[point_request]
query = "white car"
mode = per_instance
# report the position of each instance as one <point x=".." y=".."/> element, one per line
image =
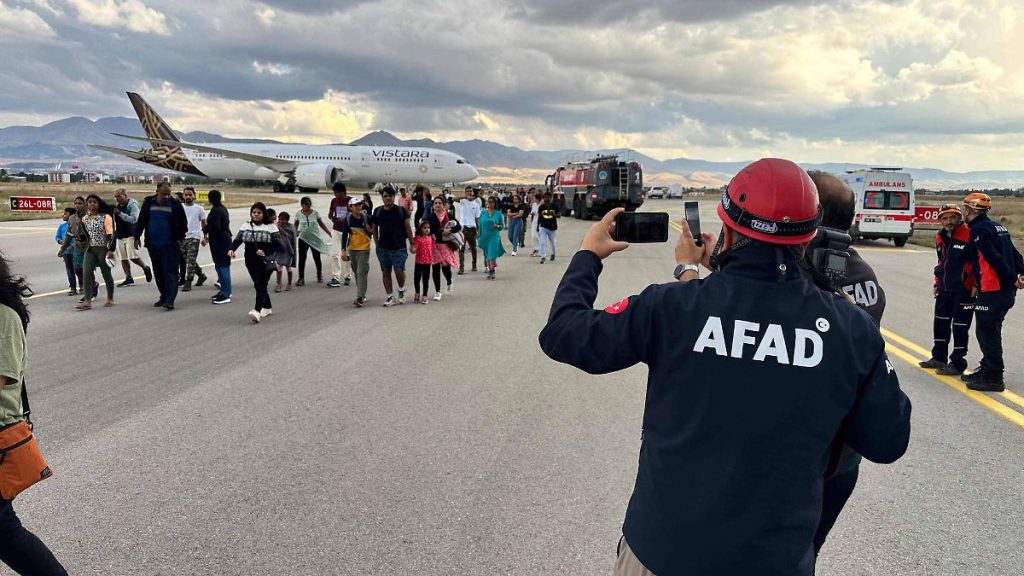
<point x="657" y="192"/>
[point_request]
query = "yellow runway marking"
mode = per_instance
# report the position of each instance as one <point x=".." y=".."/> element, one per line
<point x="136" y="278"/>
<point x="953" y="382"/>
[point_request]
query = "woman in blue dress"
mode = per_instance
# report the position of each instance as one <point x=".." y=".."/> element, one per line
<point x="491" y="224"/>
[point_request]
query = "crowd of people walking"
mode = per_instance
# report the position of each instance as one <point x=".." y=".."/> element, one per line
<point x="437" y="230"/>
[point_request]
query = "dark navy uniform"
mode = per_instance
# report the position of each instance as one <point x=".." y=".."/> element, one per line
<point x="999" y="263"/>
<point x="751" y="380"/>
<point x="954" y="303"/>
<point x="862" y="285"/>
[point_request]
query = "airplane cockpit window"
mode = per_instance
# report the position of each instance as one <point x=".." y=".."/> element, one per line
<point x="460" y="161"/>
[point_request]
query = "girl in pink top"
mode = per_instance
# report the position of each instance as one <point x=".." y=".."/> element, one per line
<point x="424" y="245"/>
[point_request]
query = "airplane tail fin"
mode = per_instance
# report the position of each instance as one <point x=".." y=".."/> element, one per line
<point x="152" y="123"/>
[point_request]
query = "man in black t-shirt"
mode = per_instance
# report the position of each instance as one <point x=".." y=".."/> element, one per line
<point x="391" y="228"/>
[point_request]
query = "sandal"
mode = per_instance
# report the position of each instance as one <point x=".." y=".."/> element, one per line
<point x="108" y="303"/>
<point x="83" y="306"/>
<point x="277" y="288"/>
<point x="288" y="288"/>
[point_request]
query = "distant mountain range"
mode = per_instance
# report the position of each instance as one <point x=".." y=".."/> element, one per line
<point x="64" y="141"/>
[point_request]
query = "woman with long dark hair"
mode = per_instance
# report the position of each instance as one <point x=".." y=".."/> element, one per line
<point x="99" y="228"/>
<point x="19" y="548"/>
<point x="260" y="236"/>
<point x="218" y="230"/>
<point x="442" y="226"/>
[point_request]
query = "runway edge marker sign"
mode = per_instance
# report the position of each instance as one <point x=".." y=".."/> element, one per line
<point x="33" y="204"/>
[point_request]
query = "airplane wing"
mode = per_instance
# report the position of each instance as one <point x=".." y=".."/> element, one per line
<point x="275" y="164"/>
<point x="133" y="154"/>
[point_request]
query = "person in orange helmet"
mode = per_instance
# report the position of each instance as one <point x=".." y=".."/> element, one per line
<point x="1001" y="274"/>
<point x="953" y="288"/>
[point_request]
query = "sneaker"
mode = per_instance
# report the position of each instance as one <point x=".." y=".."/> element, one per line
<point x="168" y="307"/>
<point x="552" y="256"/>
<point x="348" y="280"/>
<point x="149" y="273"/>
<point x="201" y="281"/>
<point x="72" y="292"/>
<point x="127" y="282"/>
<point x="158" y="303"/>
<point x="221" y="299"/>
<point x="278" y="289"/>
<point x="401" y="297"/>
<point x="301" y="282"/>
<point x="255" y="316"/>
<point x="266" y="312"/>
<point x="541" y="259"/>
<point x="931" y="363"/>
<point x="187" y="287"/>
<point x="461" y="272"/>
<point x="949" y="370"/>
<point x="333" y="283"/>
<point x="424" y="299"/>
<point x="216" y="285"/>
<point x="437" y="297"/>
<point x="513" y="252"/>
<point x="987" y="384"/>
<point x="390" y="302"/>
<point x="449" y="289"/>
<point x="534" y="254"/>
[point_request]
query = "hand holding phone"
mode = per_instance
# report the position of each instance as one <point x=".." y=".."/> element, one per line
<point x="691" y="212"/>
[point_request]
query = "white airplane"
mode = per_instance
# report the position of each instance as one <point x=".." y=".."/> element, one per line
<point x="302" y="166"/>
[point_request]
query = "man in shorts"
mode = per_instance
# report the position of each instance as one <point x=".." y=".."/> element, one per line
<point x="391" y="228"/>
<point x="126" y="212"/>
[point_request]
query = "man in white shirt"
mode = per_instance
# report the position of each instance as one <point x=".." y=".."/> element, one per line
<point x="469" y="217"/>
<point x="195" y="216"/>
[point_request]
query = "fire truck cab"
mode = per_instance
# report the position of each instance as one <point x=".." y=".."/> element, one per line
<point x="592" y="188"/>
<point x="884" y="204"/>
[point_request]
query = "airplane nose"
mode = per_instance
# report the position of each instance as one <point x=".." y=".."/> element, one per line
<point x="474" y="173"/>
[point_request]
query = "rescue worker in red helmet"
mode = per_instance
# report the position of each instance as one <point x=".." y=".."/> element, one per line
<point x="1000" y="274"/>
<point x="754" y="375"/>
<point x="953" y="289"/>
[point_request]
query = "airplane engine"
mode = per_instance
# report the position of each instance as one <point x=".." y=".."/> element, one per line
<point x="316" y="176"/>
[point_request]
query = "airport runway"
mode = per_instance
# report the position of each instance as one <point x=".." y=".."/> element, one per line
<point x="437" y="439"/>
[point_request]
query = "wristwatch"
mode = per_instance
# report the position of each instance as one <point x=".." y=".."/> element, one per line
<point x="683" y="268"/>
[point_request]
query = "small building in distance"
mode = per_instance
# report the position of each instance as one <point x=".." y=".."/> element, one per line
<point x="95" y="178"/>
<point x="59" y="177"/>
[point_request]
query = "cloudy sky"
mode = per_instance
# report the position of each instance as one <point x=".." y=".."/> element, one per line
<point x="936" y="83"/>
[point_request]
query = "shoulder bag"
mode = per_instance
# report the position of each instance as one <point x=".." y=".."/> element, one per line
<point x="21" y="462"/>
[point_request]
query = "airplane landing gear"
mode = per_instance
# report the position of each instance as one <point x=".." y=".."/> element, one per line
<point x="280" y="188"/>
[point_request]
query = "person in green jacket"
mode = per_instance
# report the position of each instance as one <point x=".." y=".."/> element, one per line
<point x="492" y="222"/>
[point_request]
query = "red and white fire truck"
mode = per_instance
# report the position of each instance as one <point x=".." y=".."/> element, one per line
<point x="885" y="204"/>
<point x="592" y="188"/>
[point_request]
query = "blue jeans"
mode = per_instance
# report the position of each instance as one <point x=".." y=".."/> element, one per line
<point x="515" y="230"/>
<point x="165" y="271"/>
<point x="224" y="279"/>
<point x="546" y="235"/>
<point x="69" y="267"/>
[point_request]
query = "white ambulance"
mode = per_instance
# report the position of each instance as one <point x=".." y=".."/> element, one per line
<point x="885" y="204"/>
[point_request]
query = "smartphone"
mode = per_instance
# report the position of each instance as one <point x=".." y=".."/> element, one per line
<point x="692" y="214"/>
<point x="641" y="227"/>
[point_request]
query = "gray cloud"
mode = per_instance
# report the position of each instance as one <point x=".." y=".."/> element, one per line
<point x="698" y="70"/>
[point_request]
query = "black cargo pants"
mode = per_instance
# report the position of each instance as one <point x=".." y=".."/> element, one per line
<point x="954" y="311"/>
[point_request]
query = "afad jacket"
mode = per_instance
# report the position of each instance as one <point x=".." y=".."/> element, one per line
<point x="957" y="262"/>
<point x="999" y="261"/>
<point x="752" y="376"/>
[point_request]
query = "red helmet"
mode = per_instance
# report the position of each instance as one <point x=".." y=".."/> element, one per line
<point x="772" y="200"/>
